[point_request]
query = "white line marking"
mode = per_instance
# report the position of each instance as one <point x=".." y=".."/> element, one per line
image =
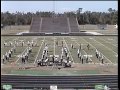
<point x="68" y="50"/>
<point x="20" y="55"/>
<point x="109" y="42"/>
<point x="83" y="50"/>
<point x="98" y="50"/>
<point x="39" y="50"/>
<point x="105" y="46"/>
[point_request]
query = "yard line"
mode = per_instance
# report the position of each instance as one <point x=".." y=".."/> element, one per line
<point x="98" y="50"/>
<point x="68" y="49"/>
<point x="20" y="55"/>
<point x="39" y="50"/>
<point x="12" y="40"/>
<point x="109" y="42"/>
<point x="83" y="50"/>
<point x="106" y="46"/>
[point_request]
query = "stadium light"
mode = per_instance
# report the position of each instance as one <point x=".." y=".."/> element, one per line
<point x="80" y="10"/>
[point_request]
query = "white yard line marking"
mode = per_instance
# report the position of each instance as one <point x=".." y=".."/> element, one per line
<point x="20" y="55"/>
<point x="12" y="41"/>
<point x="39" y="50"/>
<point x="109" y="42"/>
<point x="68" y="50"/>
<point x="98" y="50"/>
<point x="105" y="46"/>
<point x="83" y="50"/>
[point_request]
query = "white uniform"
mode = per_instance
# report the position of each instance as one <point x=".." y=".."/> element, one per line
<point x="78" y="51"/>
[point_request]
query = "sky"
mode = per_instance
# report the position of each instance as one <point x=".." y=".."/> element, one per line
<point x="57" y="6"/>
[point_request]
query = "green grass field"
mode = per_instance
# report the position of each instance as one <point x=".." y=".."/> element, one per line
<point x="106" y="45"/>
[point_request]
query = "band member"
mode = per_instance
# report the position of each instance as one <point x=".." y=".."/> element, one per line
<point x="78" y="52"/>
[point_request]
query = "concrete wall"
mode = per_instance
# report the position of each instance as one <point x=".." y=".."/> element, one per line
<point x="95" y="27"/>
<point x="17" y="27"/>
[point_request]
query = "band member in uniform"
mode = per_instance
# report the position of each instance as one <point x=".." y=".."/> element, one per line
<point x="80" y="46"/>
<point x="78" y="52"/>
<point x="57" y="43"/>
<point x="53" y="58"/>
<point x="22" y="43"/>
<point x="4" y="44"/>
<point x="10" y="43"/>
<point x="9" y="54"/>
<point x="61" y="58"/>
<point x="72" y="46"/>
<point x="68" y="57"/>
<point x="87" y="59"/>
<point x="6" y="56"/>
<point x="82" y="58"/>
<point x="28" y="43"/>
<point x="3" y="59"/>
<point x="23" y="59"/>
<point x="14" y="49"/>
<point x="102" y="59"/>
<point x="62" y="43"/>
<point x="96" y="53"/>
<point x="88" y="46"/>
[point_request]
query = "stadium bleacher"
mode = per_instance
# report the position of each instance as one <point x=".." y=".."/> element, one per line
<point x="53" y="25"/>
<point x="35" y="24"/>
<point x="73" y="25"/>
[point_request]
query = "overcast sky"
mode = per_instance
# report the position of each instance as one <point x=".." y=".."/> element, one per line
<point x="60" y="6"/>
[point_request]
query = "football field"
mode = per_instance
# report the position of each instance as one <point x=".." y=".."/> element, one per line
<point x="106" y="45"/>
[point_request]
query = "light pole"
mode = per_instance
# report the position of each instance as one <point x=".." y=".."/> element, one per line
<point x="79" y="10"/>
